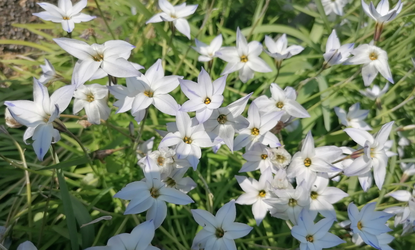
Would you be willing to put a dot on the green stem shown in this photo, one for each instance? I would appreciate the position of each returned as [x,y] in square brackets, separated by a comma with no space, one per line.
[210,196]
[105,20]
[264,9]
[140,132]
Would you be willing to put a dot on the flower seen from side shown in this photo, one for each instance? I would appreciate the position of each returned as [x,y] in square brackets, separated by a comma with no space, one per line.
[208,52]
[355,117]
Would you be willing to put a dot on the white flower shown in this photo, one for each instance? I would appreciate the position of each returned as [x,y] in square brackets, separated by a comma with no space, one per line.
[374,59]
[280,158]
[310,160]
[280,180]
[92,98]
[382,14]
[368,223]
[149,88]
[152,195]
[322,197]
[335,52]
[289,202]
[189,139]
[176,15]
[38,115]
[257,157]
[282,100]
[99,60]
[355,117]
[375,92]
[334,6]
[177,181]
[278,49]
[49,72]
[64,13]
[406,213]
[218,231]
[374,153]
[139,239]
[244,57]
[314,236]
[255,193]
[226,120]
[204,96]
[27,245]
[208,52]
[258,129]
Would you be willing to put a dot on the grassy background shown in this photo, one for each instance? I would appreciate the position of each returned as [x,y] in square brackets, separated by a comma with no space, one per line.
[62,197]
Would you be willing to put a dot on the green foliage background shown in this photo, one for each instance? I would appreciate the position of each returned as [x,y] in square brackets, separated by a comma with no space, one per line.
[80,190]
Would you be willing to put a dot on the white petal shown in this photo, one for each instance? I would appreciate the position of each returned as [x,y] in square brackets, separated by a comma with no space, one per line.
[359,136]
[401,195]
[369,73]
[182,26]
[166,104]
[78,49]
[333,42]
[174,196]
[258,65]
[49,16]
[119,68]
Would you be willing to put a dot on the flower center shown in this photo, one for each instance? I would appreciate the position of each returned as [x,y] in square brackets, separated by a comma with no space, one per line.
[98,58]
[222,119]
[292,202]
[373,56]
[280,159]
[262,193]
[187,140]
[244,59]
[154,193]
[314,195]
[254,131]
[90,97]
[219,232]
[148,93]
[264,156]
[280,105]
[307,162]
[160,161]
[207,100]
[170,182]
[360,225]
[309,238]
[173,16]
[66,18]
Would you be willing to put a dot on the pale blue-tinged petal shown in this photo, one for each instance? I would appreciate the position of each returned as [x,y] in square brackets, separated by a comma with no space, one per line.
[92,112]
[228,244]
[367,10]
[269,120]
[204,59]
[201,237]
[143,234]
[241,141]
[270,139]
[308,150]
[28,133]
[183,150]
[53,9]
[68,25]
[203,115]
[42,137]
[227,133]
[232,67]
[370,239]
[160,17]
[166,84]
[155,73]
[27,245]
[271,45]
[166,6]
[358,167]
[241,43]
[132,190]
[204,218]
[216,43]
[25,112]
[116,47]
[78,7]
[49,16]
[183,123]
[186,10]
[78,49]
[383,7]
[205,86]
[258,64]
[236,230]
[333,42]
[329,240]
[295,109]
[401,195]
[83,71]
[359,136]
[247,198]
[157,212]
[190,89]
[254,116]
[182,26]
[260,209]
[193,105]
[166,104]
[174,196]
[383,134]
[238,106]
[226,214]
[379,171]
[119,67]
[353,212]
[322,227]
[245,73]
[215,102]
[254,49]
[369,73]
[62,97]
[294,50]
[228,54]
[169,140]
[41,96]
[141,101]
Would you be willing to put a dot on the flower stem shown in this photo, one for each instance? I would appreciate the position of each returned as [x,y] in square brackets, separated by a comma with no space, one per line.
[105,20]
[140,132]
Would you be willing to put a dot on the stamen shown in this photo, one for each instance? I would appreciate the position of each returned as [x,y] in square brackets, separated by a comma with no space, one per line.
[244,59]
[148,93]
[309,238]
[254,131]
[373,56]
[292,202]
[207,100]
[280,105]
[219,233]
[264,156]
[154,193]
[307,162]
[187,140]
[170,182]
[160,161]
[262,193]
[222,119]
[66,18]
[314,195]
[359,225]
[90,97]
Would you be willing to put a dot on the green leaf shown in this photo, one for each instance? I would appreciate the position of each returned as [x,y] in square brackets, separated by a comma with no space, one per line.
[325,106]
[69,163]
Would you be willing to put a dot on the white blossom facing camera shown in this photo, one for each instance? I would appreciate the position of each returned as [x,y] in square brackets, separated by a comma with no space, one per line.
[64,13]
[92,98]
[99,60]
[279,49]
[175,14]
[208,52]
[38,115]
[243,58]
[374,60]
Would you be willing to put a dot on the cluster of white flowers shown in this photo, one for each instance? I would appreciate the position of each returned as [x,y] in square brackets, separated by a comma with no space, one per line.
[293,188]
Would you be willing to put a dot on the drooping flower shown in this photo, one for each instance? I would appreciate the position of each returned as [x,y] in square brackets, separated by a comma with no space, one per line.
[204,96]
[243,58]
[38,115]
[355,117]
[64,13]
[92,98]
[220,231]
[188,139]
[374,92]
[375,60]
[208,52]
[139,238]
[153,87]
[49,72]
[280,50]
[314,236]
[368,223]
[255,192]
[335,52]
[152,195]
[175,14]
[381,14]
[99,60]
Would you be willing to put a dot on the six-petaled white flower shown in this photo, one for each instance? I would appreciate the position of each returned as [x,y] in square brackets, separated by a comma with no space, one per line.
[64,13]
[92,98]
[280,50]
